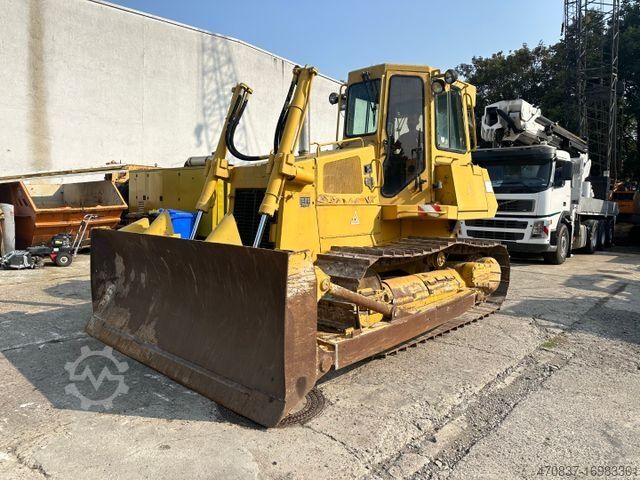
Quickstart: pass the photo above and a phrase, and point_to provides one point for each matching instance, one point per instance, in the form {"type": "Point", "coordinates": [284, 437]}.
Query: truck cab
{"type": "Point", "coordinates": [532, 185]}
{"type": "Point", "coordinates": [540, 175]}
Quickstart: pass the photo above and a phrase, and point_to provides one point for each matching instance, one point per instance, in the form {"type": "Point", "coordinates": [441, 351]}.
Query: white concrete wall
{"type": "Point", "coordinates": [83, 83]}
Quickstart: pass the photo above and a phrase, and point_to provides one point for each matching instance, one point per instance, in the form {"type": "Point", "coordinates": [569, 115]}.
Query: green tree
{"type": "Point", "coordinates": [541, 76]}
{"type": "Point", "coordinates": [523, 73]}
{"type": "Point", "coordinates": [630, 78]}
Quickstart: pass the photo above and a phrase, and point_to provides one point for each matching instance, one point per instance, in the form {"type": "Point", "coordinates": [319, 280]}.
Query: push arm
{"type": "Point", "coordinates": [217, 167]}
{"type": "Point", "coordinates": [282, 161]}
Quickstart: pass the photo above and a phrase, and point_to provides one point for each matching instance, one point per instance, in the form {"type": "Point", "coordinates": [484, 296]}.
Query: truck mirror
{"type": "Point", "coordinates": [567, 171]}
{"type": "Point", "coordinates": [562, 173]}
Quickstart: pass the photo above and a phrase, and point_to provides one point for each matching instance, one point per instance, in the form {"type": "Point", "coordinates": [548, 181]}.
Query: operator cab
{"type": "Point", "coordinates": [405, 134]}
{"type": "Point", "coordinates": [391, 106]}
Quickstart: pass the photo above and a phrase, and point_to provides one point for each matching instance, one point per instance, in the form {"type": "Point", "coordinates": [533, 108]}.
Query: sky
{"type": "Point", "coordinates": [339, 36]}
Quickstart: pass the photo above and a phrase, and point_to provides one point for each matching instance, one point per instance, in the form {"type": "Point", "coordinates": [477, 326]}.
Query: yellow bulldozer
{"type": "Point", "coordinates": [322, 260]}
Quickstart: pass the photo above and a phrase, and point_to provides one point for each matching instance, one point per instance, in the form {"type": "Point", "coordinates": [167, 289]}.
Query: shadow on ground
{"type": "Point", "coordinates": [40, 344]}
{"type": "Point", "coordinates": [610, 313]}
{"type": "Point", "coordinates": [44, 345]}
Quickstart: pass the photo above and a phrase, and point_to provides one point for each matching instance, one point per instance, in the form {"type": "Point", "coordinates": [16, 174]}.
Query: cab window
{"type": "Point", "coordinates": [405, 134]}
{"type": "Point", "coordinates": [450, 133]}
{"type": "Point", "coordinates": [362, 108]}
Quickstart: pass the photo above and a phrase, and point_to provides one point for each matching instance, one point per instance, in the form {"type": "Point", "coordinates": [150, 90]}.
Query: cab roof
{"type": "Point", "coordinates": [378, 70]}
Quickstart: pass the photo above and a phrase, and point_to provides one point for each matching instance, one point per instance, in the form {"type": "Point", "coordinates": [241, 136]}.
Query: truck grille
{"type": "Point", "coordinates": [495, 223]}
{"type": "Point", "coordinates": [486, 234]}
{"type": "Point", "coordinates": [245, 210]}
{"type": "Point", "coordinates": [506, 205]}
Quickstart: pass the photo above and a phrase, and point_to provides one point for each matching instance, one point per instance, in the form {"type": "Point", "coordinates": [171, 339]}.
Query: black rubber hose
{"type": "Point", "coordinates": [232, 124]}
{"type": "Point", "coordinates": [277, 138]}
{"type": "Point", "coordinates": [283, 116]}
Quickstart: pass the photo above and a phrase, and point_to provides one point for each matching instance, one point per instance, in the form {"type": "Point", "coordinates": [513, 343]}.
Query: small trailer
{"type": "Point", "coordinates": [540, 174]}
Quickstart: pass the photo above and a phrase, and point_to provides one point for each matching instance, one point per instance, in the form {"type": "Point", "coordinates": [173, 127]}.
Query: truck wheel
{"type": "Point", "coordinates": [602, 234]}
{"type": "Point", "coordinates": [63, 259]}
{"type": "Point", "coordinates": [610, 229]}
{"type": "Point", "coordinates": [562, 250]}
{"type": "Point", "coordinates": [592, 237]}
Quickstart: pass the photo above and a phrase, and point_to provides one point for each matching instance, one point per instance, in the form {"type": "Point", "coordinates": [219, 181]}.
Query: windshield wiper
{"type": "Point", "coordinates": [372, 91]}
{"type": "Point", "coordinates": [515, 182]}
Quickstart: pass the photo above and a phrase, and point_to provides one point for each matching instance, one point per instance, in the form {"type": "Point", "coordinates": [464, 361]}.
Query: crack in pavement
{"type": "Point", "coordinates": [30, 464]}
{"type": "Point", "coordinates": [45, 342]}
{"type": "Point", "coordinates": [473, 347]}
{"type": "Point", "coordinates": [352, 451]}
{"type": "Point", "coordinates": [477, 416]}
{"type": "Point", "coordinates": [483, 413]}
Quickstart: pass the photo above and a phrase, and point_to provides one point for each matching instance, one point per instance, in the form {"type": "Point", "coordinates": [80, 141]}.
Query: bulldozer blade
{"type": "Point", "coordinates": [236, 324]}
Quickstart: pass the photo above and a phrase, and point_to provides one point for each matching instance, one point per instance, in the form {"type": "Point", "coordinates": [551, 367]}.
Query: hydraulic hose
{"type": "Point", "coordinates": [282, 119]}
{"type": "Point", "coordinates": [234, 120]}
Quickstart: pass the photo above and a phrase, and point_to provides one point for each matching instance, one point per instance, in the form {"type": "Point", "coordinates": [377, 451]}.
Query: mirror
{"type": "Point", "coordinates": [567, 171]}
{"type": "Point", "coordinates": [562, 173]}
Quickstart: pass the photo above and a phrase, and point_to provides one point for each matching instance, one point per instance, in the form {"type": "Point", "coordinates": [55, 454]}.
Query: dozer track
{"type": "Point", "coordinates": [348, 266]}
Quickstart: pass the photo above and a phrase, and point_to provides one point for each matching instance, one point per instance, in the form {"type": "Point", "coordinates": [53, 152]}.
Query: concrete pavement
{"type": "Point", "coordinates": [553, 379]}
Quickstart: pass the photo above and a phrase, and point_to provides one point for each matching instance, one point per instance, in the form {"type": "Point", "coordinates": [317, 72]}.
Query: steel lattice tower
{"type": "Point", "coordinates": [591, 32]}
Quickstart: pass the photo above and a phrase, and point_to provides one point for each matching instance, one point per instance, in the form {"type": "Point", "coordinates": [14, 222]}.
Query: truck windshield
{"type": "Point", "coordinates": [518, 177]}
{"type": "Point", "coordinates": [362, 108]}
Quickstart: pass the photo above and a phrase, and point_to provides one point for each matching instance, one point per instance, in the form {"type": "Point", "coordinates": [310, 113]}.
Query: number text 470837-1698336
{"type": "Point", "coordinates": [601, 471]}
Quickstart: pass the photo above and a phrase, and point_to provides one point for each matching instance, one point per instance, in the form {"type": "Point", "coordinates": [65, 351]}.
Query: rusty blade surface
{"type": "Point", "coordinates": [236, 324]}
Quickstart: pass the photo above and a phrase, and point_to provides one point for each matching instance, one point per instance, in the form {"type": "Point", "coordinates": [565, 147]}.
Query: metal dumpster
{"type": "Point", "coordinates": [44, 209]}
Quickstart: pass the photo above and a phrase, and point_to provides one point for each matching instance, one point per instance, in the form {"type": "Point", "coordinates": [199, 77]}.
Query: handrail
{"type": "Point", "coordinates": [472, 130]}
{"type": "Point", "coordinates": [337, 142]}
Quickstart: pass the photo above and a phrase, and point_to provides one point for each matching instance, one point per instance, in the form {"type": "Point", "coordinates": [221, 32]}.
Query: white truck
{"type": "Point", "coordinates": [540, 175]}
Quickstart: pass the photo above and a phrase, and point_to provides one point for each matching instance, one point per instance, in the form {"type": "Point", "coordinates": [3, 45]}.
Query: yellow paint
{"type": "Point", "coordinates": [176, 188]}
{"type": "Point", "coordinates": [483, 274]}
{"type": "Point", "coordinates": [225, 232]}
{"type": "Point", "coordinates": [314, 216]}
{"type": "Point", "coordinates": [460, 187]}
{"type": "Point", "coordinates": [417, 292]}
{"type": "Point", "coordinates": [333, 197]}
{"type": "Point", "coordinates": [139, 226]}
{"type": "Point", "coordinates": [282, 164]}
{"type": "Point", "coordinates": [161, 226]}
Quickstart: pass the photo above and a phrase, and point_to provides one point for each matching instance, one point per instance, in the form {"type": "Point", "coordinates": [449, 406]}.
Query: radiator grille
{"type": "Point", "coordinates": [515, 205]}
{"type": "Point", "coordinates": [245, 210]}
{"type": "Point", "coordinates": [489, 235]}
{"type": "Point", "coordinates": [495, 223]}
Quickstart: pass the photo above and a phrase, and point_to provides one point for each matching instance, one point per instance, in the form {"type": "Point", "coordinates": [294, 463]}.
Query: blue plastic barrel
{"type": "Point", "coordinates": [182, 221]}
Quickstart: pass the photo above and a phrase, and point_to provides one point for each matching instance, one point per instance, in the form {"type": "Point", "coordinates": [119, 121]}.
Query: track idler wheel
{"type": "Point", "coordinates": [483, 274]}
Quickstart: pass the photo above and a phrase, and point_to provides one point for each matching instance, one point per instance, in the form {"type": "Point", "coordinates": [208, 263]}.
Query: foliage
{"type": "Point", "coordinates": [630, 76]}
{"type": "Point", "coordinates": [540, 75]}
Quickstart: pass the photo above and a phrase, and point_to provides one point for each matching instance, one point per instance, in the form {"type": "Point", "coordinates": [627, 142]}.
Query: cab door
{"type": "Point", "coordinates": [456, 181]}
{"type": "Point", "coordinates": [404, 169]}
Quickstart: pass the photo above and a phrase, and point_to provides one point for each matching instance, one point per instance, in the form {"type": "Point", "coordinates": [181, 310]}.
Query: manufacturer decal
{"type": "Point", "coordinates": [305, 202]}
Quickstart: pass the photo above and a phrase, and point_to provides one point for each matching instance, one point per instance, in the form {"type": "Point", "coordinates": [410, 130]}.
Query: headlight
{"type": "Point", "coordinates": [538, 230]}
{"type": "Point", "coordinates": [437, 86]}
{"type": "Point", "coordinates": [450, 76]}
